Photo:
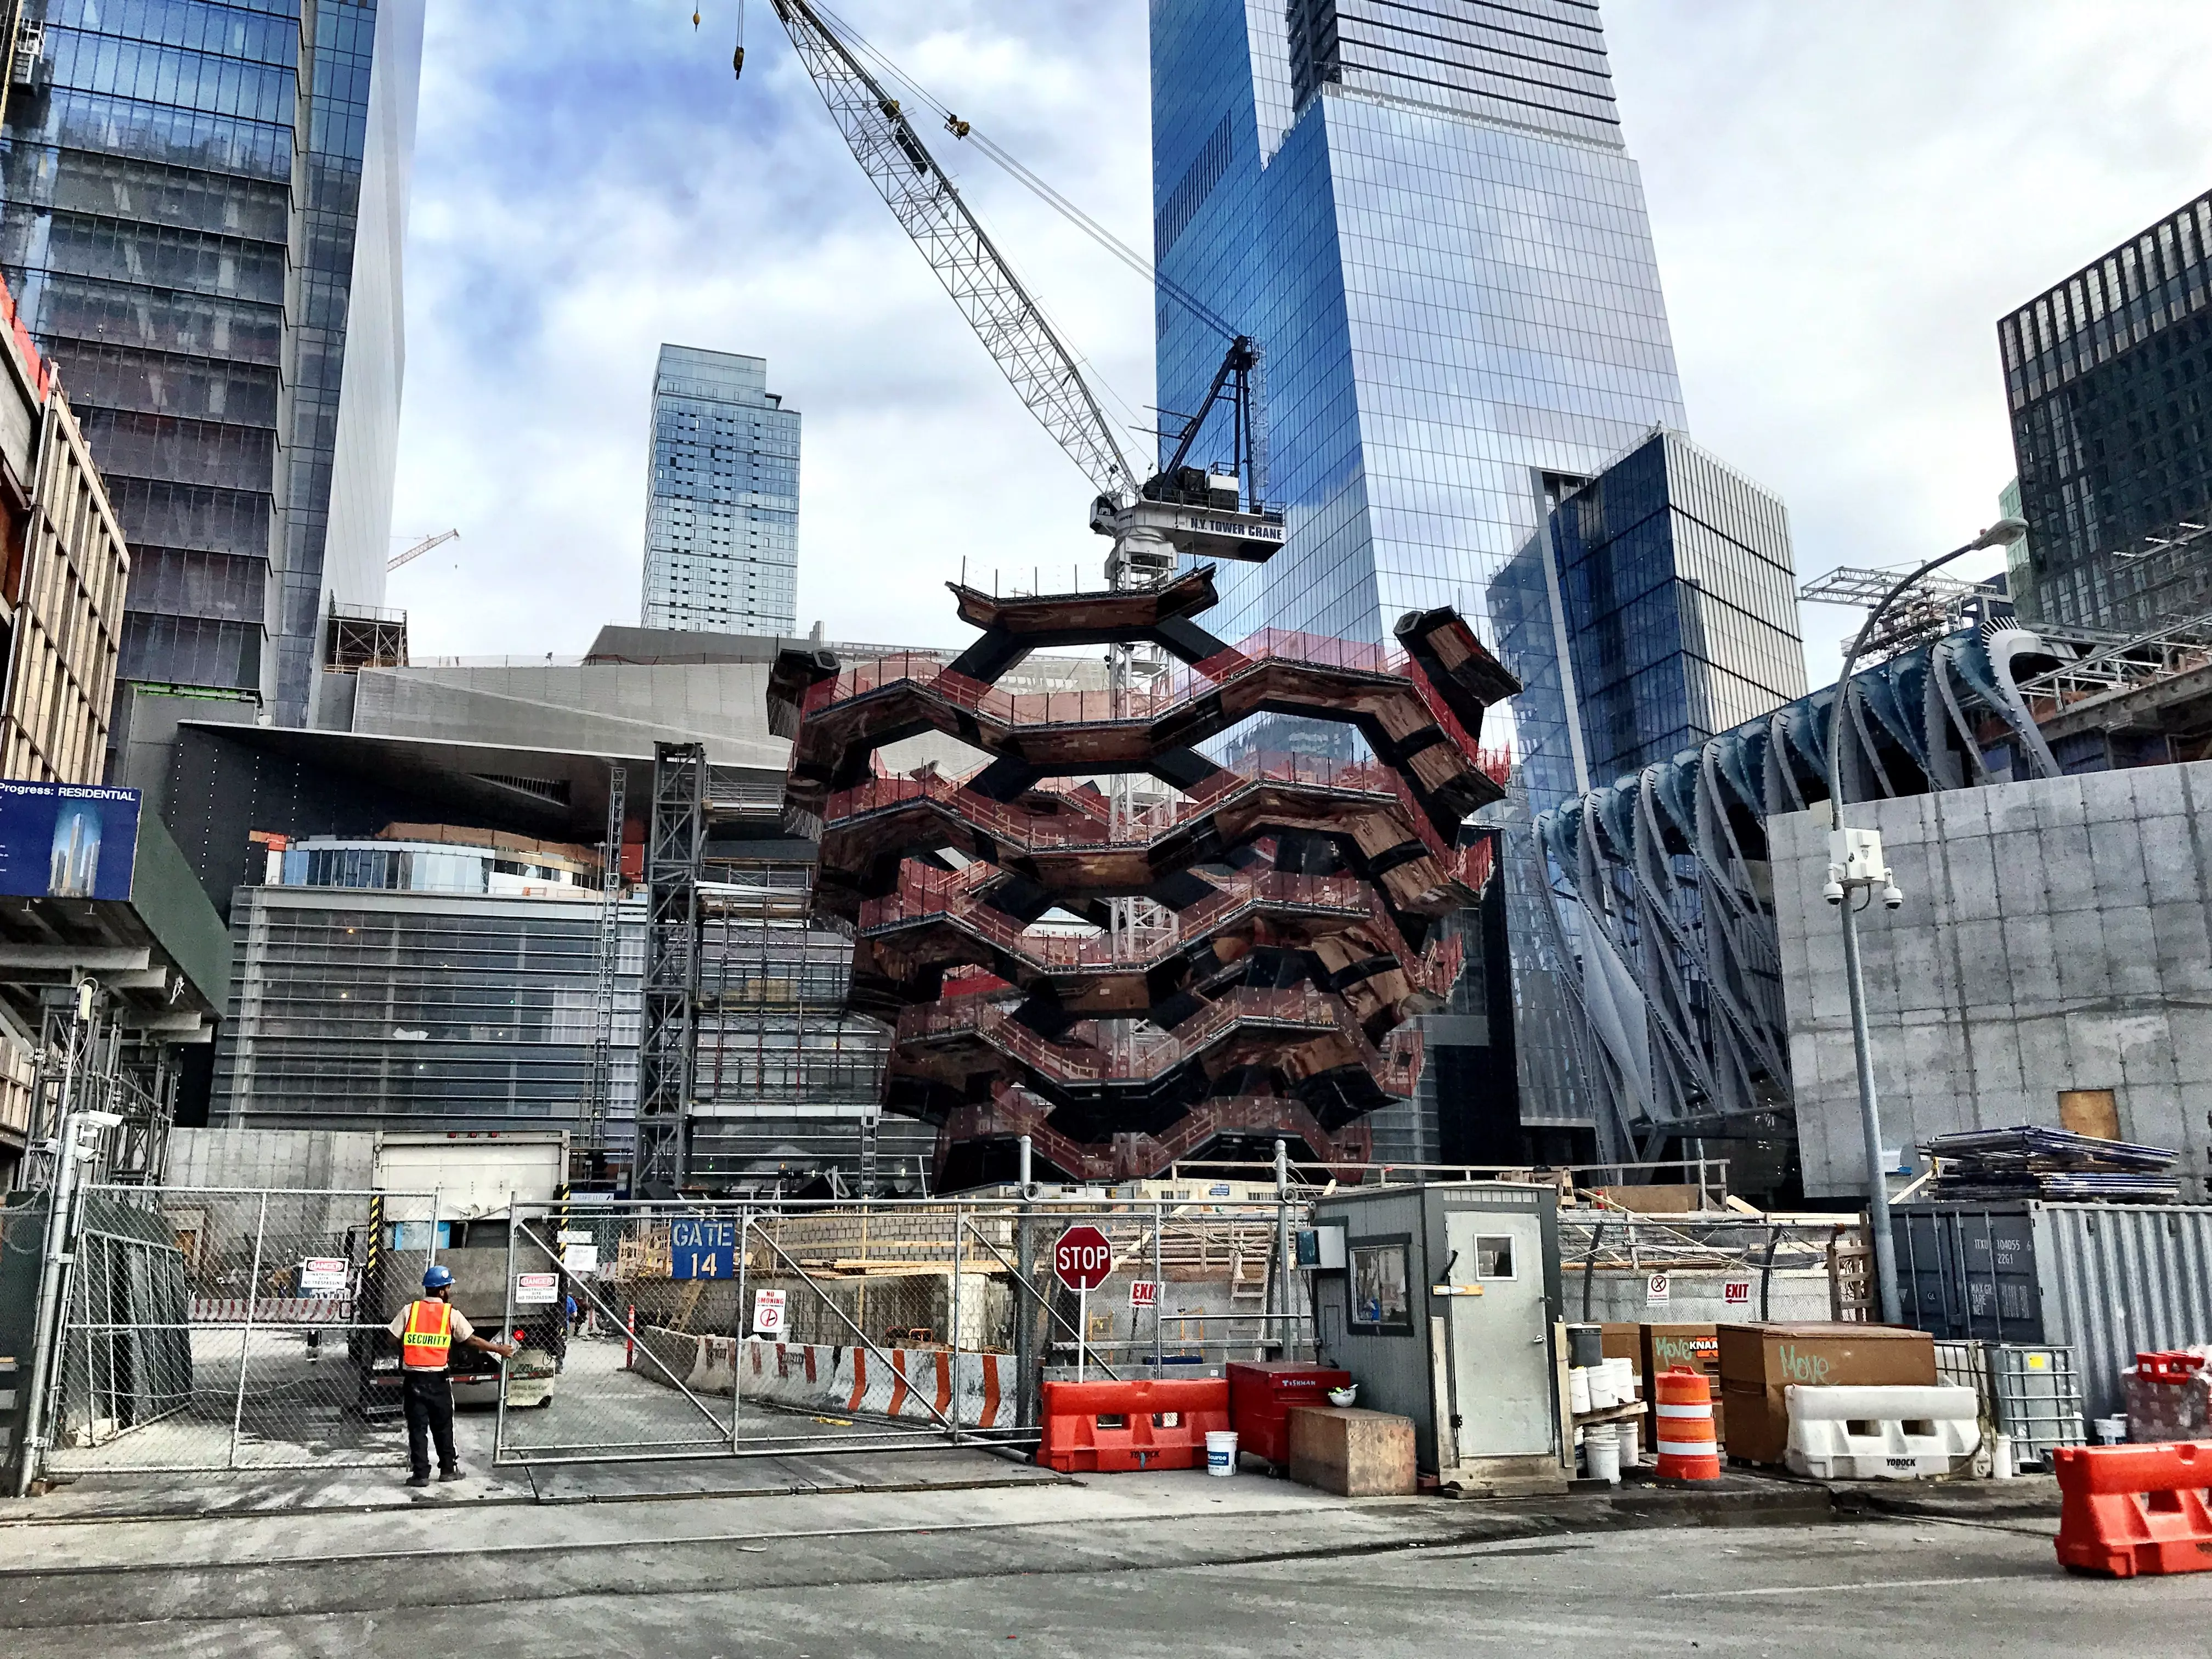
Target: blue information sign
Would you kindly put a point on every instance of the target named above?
(67, 841)
(702, 1247)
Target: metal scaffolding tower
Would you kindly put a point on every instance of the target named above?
(675, 844)
(599, 1087)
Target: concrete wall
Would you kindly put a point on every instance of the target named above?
(2053, 936)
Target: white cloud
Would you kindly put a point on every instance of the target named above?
(1845, 196)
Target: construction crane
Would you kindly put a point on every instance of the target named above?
(1151, 517)
(419, 549)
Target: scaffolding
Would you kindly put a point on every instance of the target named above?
(598, 1088)
(675, 844)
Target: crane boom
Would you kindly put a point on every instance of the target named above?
(1034, 358)
(420, 549)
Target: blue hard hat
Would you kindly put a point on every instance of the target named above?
(438, 1277)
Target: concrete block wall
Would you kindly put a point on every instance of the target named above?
(2056, 934)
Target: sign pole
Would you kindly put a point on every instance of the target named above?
(1082, 1328)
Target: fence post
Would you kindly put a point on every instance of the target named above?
(743, 1338)
(1026, 1357)
(959, 1248)
(246, 1335)
(1159, 1286)
(1282, 1248)
(506, 1324)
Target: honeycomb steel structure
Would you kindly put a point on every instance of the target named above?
(1294, 908)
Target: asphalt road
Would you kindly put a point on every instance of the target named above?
(1329, 1583)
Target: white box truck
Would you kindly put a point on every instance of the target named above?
(447, 1197)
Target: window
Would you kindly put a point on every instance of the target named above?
(1493, 1256)
(1379, 1274)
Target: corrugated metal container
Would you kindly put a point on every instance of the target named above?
(2108, 1280)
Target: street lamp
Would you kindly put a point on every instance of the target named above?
(1856, 863)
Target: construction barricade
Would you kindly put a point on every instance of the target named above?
(1109, 1428)
(929, 1385)
(2129, 1510)
(1899, 1432)
(1683, 1435)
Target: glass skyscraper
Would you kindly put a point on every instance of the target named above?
(1423, 213)
(2108, 377)
(1656, 608)
(721, 524)
(203, 208)
(1424, 217)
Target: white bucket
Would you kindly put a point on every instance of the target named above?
(1579, 1389)
(1602, 1452)
(1221, 1452)
(1631, 1431)
(2001, 1467)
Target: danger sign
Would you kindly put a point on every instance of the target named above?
(1083, 1258)
(768, 1313)
(1145, 1293)
(1659, 1288)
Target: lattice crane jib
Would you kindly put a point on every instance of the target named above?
(1036, 362)
(676, 842)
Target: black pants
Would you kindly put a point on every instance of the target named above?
(428, 1399)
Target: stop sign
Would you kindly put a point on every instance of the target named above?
(1083, 1258)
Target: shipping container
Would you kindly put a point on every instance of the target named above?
(2108, 1280)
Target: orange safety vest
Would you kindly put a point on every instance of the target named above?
(427, 1335)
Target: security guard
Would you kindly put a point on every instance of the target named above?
(427, 1329)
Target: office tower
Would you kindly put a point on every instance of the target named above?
(204, 212)
(2108, 377)
(721, 524)
(1676, 617)
(1425, 217)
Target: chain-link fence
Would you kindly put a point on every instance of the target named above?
(717, 1330)
(213, 1330)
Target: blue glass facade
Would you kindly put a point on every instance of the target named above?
(198, 199)
(721, 526)
(1424, 217)
(2108, 378)
(1678, 596)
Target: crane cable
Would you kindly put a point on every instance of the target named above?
(965, 131)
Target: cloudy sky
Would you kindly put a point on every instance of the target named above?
(1845, 196)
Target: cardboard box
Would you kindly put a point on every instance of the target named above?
(1696, 1346)
(1353, 1453)
(1758, 1362)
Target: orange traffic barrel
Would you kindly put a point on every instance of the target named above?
(1683, 1400)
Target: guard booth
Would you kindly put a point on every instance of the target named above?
(1444, 1303)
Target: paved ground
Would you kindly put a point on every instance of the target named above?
(1128, 1567)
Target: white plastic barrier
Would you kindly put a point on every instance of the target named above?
(1900, 1433)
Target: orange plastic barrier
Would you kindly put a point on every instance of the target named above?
(1682, 1402)
(2126, 1510)
(2169, 1367)
(1111, 1428)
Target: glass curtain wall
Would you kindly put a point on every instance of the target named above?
(181, 182)
(721, 531)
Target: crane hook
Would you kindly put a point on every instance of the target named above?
(956, 126)
(694, 19)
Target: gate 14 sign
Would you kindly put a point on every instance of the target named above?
(1083, 1258)
(702, 1247)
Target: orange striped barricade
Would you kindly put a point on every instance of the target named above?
(1109, 1428)
(1682, 1401)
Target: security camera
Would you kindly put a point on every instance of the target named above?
(1892, 898)
(1833, 892)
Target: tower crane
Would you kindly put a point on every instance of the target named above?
(1151, 517)
(419, 548)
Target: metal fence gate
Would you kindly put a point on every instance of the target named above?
(750, 1329)
(207, 1330)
